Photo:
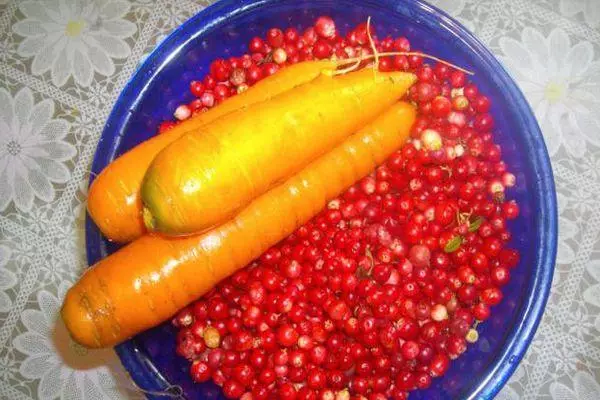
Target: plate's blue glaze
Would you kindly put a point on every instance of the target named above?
(223, 29)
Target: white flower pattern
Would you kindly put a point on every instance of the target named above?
(579, 322)
(8, 368)
(589, 9)
(74, 37)
(507, 393)
(99, 94)
(561, 82)
(64, 369)
(585, 387)
(34, 36)
(32, 150)
(568, 229)
(453, 7)
(592, 294)
(7, 279)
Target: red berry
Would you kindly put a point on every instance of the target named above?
(220, 70)
(232, 389)
(402, 44)
(491, 296)
(405, 380)
(419, 255)
(500, 276)
(483, 122)
(325, 27)
(339, 311)
(267, 376)
(481, 311)
(492, 247)
(479, 262)
(197, 88)
(275, 37)
(510, 210)
(243, 373)
(509, 257)
(221, 91)
(425, 92)
(256, 45)
(287, 336)
(291, 35)
(287, 391)
(316, 379)
(410, 350)
(254, 74)
(457, 79)
(441, 106)
(318, 354)
(481, 104)
(269, 68)
(439, 365)
(322, 49)
(242, 341)
(359, 385)
(200, 371)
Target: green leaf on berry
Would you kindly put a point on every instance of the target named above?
(453, 244)
(475, 224)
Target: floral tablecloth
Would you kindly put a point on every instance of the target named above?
(62, 64)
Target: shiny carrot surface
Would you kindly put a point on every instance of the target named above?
(149, 280)
(204, 178)
(114, 201)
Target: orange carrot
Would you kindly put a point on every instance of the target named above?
(204, 178)
(149, 280)
(114, 201)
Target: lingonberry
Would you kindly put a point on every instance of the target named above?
(491, 296)
(481, 311)
(256, 45)
(200, 371)
(510, 210)
(439, 365)
(322, 49)
(275, 37)
(243, 373)
(500, 276)
(267, 376)
(479, 262)
(467, 294)
(287, 391)
(316, 379)
(232, 389)
(260, 392)
(482, 104)
(359, 385)
(325, 27)
(492, 247)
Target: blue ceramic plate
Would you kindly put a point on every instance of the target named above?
(224, 29)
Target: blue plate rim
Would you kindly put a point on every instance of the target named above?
(516, 343)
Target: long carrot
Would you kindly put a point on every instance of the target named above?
(114, 202)
(204, 178)
(149, 280)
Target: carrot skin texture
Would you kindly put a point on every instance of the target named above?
(204, 178)
(114, 201)
(149, 280)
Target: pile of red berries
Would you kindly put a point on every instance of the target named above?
(374, 296)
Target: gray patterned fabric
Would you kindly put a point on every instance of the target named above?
(63, 63)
